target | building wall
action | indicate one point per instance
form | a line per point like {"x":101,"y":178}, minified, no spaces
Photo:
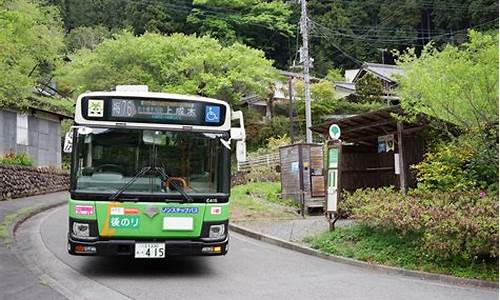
{"x":44,"y":137}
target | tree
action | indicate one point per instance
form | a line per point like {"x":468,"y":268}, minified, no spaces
{"x":261,"y":24}
{"x":30,"y":41}
{"x":369,"y":89}
{"x":458,"y":85}
{"x":335,"y":75}
{"x":176,"y":63}
{"x":324,"y":100}
{"x":86,"y":37}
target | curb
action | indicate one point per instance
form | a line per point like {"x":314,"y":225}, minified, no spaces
{"x":31,"y":213}
{"x":48,"y":268}
{"x":447,"y":279}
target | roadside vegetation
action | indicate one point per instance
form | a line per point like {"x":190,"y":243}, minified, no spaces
{"x":10,"y":219}
{"x":16,"y":159}
{"x":388,"y":247}
{"x":260,"y":200}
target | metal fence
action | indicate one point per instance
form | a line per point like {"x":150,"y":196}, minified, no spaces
{"x":272,"y":159}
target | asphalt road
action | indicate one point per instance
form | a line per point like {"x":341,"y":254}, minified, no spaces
{"x":251,"y":270}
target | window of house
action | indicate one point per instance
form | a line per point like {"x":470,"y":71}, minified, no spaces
{"x":22,"y":129}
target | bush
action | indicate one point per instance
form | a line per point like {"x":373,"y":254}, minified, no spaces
{"x":449,"y":225}
{"x":16,"y":159}
{"x":467,"y":162}
{"x":262,"y":174}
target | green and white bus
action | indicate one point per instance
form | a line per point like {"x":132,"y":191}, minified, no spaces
{"x":150,"y":174}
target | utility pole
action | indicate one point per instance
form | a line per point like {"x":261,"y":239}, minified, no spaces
{"x":290,"y":109}
{"x":304,"y":29}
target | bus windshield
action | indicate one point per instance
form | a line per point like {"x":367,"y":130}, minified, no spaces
{"x":106,"y":159}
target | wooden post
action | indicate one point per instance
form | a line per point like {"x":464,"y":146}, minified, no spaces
{"x":301,"y":180}
{"x":402,"y":165}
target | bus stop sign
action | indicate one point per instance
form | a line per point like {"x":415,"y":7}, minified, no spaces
{"x":334,"y":131}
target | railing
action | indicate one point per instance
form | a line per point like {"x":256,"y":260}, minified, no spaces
{"x":272,"y":159}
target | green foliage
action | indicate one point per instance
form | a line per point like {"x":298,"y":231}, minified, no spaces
{"x":335,"y":75}
{"x":273,"y":143}
{"x":390,"y":248}
{"x":449,"y":226}
{"x":346,"y":107}
{"x":369,"y":89}
{"x":458,"y":85}
{"x":16,"y":159}
{"x":139,"y":15}
{"x":469,"y":161}
{"x":86,"y":37}
{"x":265,"y":25}
{"x":323,"y":100}
{"x":251,"y":22}
{"x":262,"y":174}
{"x":176,"y":63}
{"x":351,"y":32}
{"x":259,"y":132}
{"x":260,"y":200}
{"x":30,"y":39}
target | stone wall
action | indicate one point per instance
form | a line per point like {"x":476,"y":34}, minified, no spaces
{"x":17,"y":181}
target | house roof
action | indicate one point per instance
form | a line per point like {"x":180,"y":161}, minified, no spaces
{"x":386,"y":72}
{"x":350,"y":74}
{"x":348,"y":86}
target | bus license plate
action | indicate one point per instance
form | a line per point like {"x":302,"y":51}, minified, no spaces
{"x":149,"y":250}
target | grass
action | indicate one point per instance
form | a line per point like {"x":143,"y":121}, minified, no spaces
{"x":260,"y":200}
{"x":9,"y":220}
{"x":388,"y":248}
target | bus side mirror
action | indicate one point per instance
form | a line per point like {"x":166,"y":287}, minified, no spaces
{"x":68,"y":141}
{"x":238,"y":133}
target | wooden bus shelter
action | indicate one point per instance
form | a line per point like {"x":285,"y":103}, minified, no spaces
{"x":376,"y":149}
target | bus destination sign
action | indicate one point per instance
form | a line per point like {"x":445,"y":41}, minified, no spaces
{"x":159,"y":110}
{"x":144,"y":110}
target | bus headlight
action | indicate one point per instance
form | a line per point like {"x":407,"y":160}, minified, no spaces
{"x":216,"y":231}
{"x":81,"y":230}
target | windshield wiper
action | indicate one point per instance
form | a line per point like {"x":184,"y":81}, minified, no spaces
{"x":128,"y":183}
{"x":174,"y":183}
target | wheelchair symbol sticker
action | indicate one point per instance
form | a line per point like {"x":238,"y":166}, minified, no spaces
{"x":212,"y":114}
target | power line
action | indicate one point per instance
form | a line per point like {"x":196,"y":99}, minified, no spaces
{"x":378,"y":38}
{"x":420,"y":4}
{"x":353,"y":59}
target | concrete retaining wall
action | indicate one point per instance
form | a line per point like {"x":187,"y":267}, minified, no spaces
{"x":44,"y":137}
{"x":16,"y":181}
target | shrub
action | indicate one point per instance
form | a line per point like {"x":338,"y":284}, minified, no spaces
{"x":262,"y":174}
{"x":459,"y":224}
{"x":467,"y":162}
{"x":16,"y":159}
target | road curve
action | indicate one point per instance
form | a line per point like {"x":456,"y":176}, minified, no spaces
{"x":251,"y":270}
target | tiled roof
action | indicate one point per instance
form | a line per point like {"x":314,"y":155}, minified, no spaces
{"x":387,"y":72}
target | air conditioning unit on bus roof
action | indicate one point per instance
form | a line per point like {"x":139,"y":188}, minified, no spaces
{"x":132,"y":88}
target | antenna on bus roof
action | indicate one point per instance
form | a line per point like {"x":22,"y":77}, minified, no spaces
{"x":132,"y":88}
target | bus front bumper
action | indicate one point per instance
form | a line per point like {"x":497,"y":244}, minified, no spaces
{"x":127,"y":247}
